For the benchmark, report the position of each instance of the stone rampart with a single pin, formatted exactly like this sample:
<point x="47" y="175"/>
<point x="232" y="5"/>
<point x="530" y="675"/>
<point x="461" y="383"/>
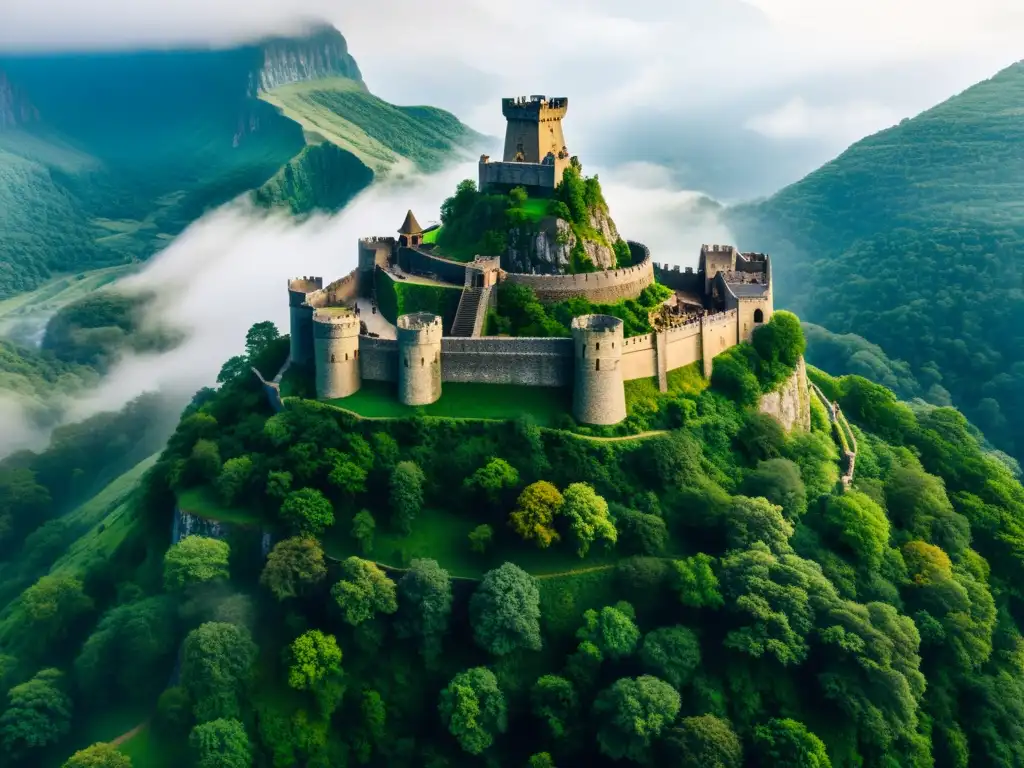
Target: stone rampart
<point x="499" y="175"/>
<point x="639" y="358"/>
<point x="378" y="359"/>
<point x="603" y="287"/>
<point x="683" y="345"/>
<point x="339" y="293"/>
<point x="419" y="262"/>
<point x="508" y="360"/>
<point x="686" y="280"/>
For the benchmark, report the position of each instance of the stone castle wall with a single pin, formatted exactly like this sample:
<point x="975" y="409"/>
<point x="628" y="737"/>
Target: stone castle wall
<point x="512" y="360"/>
<point x="507" y="175"/>
<point x="599" y="287"/>
<point x="378" y="359"/>
<point x="341" y="292"/>
<point x="421" y="263"/>
<point x="686" y="280"/>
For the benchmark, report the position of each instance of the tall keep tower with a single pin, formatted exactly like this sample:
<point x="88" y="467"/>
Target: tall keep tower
<point x="535" y="153"/>
<point x="336" y="351"/>
<point x="419" y="358"/>
<point x="598" y="394"/>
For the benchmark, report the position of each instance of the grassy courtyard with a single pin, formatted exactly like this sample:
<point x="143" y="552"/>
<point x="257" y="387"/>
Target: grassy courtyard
<point x="463" y="401"/>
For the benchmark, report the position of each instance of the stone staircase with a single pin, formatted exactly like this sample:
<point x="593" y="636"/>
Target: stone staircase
<point x="471" y="313"/>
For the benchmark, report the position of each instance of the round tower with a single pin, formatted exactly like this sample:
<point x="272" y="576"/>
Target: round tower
<point x="336" y="350"/>
<point x="419" y="358"/>
<point x="301" y="318"/>
<point x="598" y="395"/>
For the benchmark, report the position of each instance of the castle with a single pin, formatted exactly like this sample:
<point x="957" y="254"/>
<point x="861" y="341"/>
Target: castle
<point x="338" y="331"/>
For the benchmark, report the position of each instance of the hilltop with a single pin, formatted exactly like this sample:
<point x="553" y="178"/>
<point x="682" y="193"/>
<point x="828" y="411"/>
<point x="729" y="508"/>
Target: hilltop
<point x="910" y="239"/>
<point x="121" y="151"/>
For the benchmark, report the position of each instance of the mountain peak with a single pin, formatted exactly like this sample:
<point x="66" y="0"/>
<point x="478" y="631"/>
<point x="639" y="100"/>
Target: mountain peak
<point x="318" y="51"/>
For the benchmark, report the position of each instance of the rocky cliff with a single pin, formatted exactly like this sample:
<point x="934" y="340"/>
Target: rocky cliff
<point x="547" y="248"/>
<point x="790" y="404"/>
<point x="320" y="53"/>
<point x="15" y="109"/>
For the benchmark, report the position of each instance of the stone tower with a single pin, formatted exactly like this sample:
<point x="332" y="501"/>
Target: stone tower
<point x="410" y="234"/>
<point x="419" y="358"/>
<point x="336" y="351"/>
<point x="300" y="326"/>
<point x="534" y="130"/>
<point x="598" y="394"/>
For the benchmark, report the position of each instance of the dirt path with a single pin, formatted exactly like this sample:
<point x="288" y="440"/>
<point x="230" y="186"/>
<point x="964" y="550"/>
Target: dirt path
<point x="621" y="438"/>
<point x="575" y="572"/>
<point x="129" y="734"/>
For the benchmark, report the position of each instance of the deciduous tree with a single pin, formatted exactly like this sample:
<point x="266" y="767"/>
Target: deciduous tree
<point x="705" y="741"/>
<point x="493" y="481"/>
<point x="632" y="713"/>
<point x="315" y="666"/>
<point x="671" y="654"/>
<point x="424" y="605"/>
<point x="363" y="527"/>
<point x="505" y="611"/>
<point x="195" y="560"/>
<point x="587" y="516"/>
<point x="405" y="492"/>
<point x="215" y="669"/>
<point x="534" y="515"/>
<point x="553" y="699"/>
<point x="788" y="744"/>
<point x="234" y="479"/>
<point x="221" y="743"/>
<point x="308" y="511"/>
<point x="472" y="707"/>
<point x="480" y="538"/>
<point x="696" y="582"/>
<point x="611" y="629"/>
<point x="779" y="481"/>
<point x="53" y="604"/>
<point x="364" y="591"/>
<point x="38" y="714"/>
<point x="293" y="567"/>
<point x="99" y="756"/>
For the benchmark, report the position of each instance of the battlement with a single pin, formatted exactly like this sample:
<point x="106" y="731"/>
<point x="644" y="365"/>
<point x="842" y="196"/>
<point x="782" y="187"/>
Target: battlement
<point x="305" y="284"/>
<point x="724" y="249"/>
<point x="597" y="324"/>
<point x="534" y="108"/>
<point x="419" y="328"/>
<point x="335" y="318"/>
<point x="378" y="240"/>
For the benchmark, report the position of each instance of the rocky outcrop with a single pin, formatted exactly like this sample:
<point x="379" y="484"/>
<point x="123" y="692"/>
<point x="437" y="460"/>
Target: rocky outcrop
<point x="188" y="524"/>
<point x="15" y="109"/>
<point x="790" y="404"/>
<point x="547" y="249"/>
<point x="320" y="53"/>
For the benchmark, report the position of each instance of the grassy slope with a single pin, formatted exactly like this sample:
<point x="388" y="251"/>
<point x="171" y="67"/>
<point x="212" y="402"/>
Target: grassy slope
<point x="911" y="239"/>
<point x="380" y="134"/>
<point x="95" y="528"/>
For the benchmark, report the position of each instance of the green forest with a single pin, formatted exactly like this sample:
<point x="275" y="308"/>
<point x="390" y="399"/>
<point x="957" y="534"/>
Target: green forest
<point x="706" y="594"/>
<point x="911" y="239"/>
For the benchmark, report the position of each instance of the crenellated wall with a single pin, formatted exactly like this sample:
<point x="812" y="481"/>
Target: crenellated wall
<point x="603" y="287"/>
<point x="422" y="263"/>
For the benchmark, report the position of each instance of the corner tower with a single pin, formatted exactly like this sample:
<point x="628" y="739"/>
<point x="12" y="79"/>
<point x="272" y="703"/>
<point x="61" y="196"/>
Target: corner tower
<point x="336" y="351"/>
<point x="300" y="326"/>
<point x="419" y="358"/>
<point x="598" y="394"/>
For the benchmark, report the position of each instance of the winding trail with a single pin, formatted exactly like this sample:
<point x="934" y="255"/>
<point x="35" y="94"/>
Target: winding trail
<point x="129" y="734"/>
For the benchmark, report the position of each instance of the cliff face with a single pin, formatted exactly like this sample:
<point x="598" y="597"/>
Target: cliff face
<point x="790" y="404"/>
<point x="321" y="53"/>
<point x="15" y="109"/>
<point x="548" y="248"/>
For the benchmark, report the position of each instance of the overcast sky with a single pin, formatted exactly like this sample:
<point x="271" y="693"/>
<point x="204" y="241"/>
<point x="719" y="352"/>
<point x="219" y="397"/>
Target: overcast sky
<point x="736" y="97"/>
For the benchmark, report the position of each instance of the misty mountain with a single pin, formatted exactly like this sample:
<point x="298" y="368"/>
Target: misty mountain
<point x="105" y="157"/>
<point x="912" y="239"/>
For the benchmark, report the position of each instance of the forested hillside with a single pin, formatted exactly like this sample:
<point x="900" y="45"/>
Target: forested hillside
<point x="437" y="592"/>
<point x="106" y="157"/>
<point x="912" y="239"/>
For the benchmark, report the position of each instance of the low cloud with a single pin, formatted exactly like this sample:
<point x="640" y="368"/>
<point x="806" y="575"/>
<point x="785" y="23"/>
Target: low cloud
<point x="796" y="119"/>
<point x="230" y="270"/>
